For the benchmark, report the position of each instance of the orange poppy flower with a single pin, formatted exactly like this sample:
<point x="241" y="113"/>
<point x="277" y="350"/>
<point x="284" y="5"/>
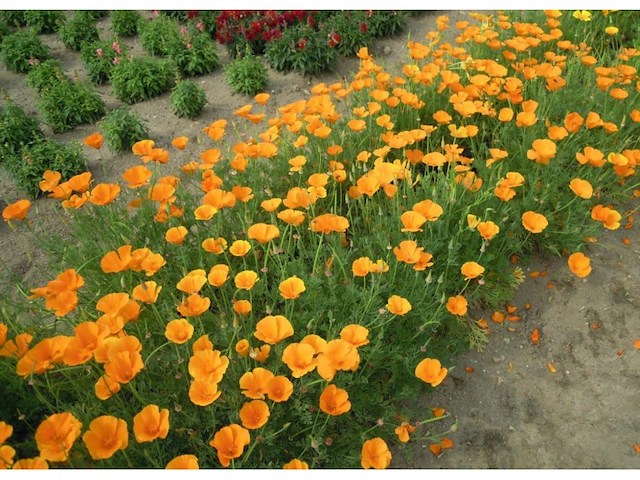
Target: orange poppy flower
<point x="457" y="305"/>
<point x="593" y="120"/>
<point x="147" y="292"/>
<point x="488" y="229"/>
<point x="192" y="282"/>
<point x="429" y="209"/>
<point x="299" y="357"/>
<point x="176" y="235"/>
<point x="106" y="387"/>
<point x="263" y="232"/>
<point x="279" y="389"/>
<point x="581" y="188"/>
<point x="356" y="335"/>
<point x="291" y="288"/>
<point x="254" y="414"/>
<point x="116" y="261"/>
<point x="214" y="245"/>
<point x="534" y="222"/>
<point x="318" y="343"/>
<point x="50" y="180"/>
<point x="208" y="365"/>
<point x="42" y="356"/>
<point x="328" y="223"/>
<point x="179" y="331"/>
<point x="292" y="217"/>
<point x="375" y="454"/>
<point x="104" y="193"/>
<point x="403" y="431"/>
<point x="94" y="140"/>
<point x="431" y="371"/>
<point x="246" y="279"/>
<point x="262" y="98"/>
<point x="204" y="212"/>
<point x="471" y="270"/>
<point x="194" y="305"/>
<point x="412" y="221"/>
<point x="36" y="463"/>
<point x="230" y="442"/>
<point x="334" y="401"/>
<point x="203" y="392"/>
<point x="337" y="355"/>
<point x="609" y="217"/>
<point x="137" y="176"/>
<point x="106" y="435"/>
<point x="408" y="252"/>
<point x="180" y="142"/>
<point x="151" y="423"/>
<point x="579" y="264"/>
<point x="296" y="464"/>
<point x="592" y="156"/>
<point x="255" y="384"/>
<point x="203" y="343"/>
<point x="273" y="328"/>
<point x="183" y="462"/>
<point x="398" y="305"/>
<point x="218" y="275"/>
<point x="543" y="150"/>
<point x="56" y="435"/>
<point x="6" y="430"/>
<point x="16" y="211"/>
<point x="6" y="457"/>
<point x="361" y="267"/>
<point x="123" y="366"/>
<point x="271" y="205"/>
<point x="242" y="307"/>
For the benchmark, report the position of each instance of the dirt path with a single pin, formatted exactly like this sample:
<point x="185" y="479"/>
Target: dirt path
<point x="512" y="412"/>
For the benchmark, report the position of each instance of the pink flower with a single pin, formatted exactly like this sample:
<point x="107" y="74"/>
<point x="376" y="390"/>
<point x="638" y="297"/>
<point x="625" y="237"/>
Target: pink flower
<point x="200" y="26"/>
<point x="188" y="46"/>
<point x="183" y="31"/>
<point x="99" y="52"/>
<point x="116" y="61"/>
<point x="116" y="47"/>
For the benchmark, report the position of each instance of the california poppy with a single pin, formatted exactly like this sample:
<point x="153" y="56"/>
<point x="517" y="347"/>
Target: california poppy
<point x="176" y="235"/>
<point x="273" y="328"/>
<point x="534" y="222"/>
<point x="151" y="423"/>
<point x="279" y="389"/>
<point x="183" y="462"/>
<point x="56" y="435"/>
<point x="403" y="431"/>
<point x="579" y="264"/>
<point x="296" y="464"/>
<point x="246" y="279"/>
<point x="337" y="355"/>
<point x="179" y="331"/>
<point x="581" y="188"/>
<point x="487" y="229"/>
<point x="194" y="305"/>
<point x="334" y="401"/>
<point x="398" y="305"/>
<point x="106" y="435"/>
<point x="431" y="371"/>
<point x="146" y="292"/>
<point x="36" y="463"/>
<point x="375" y="454"/>
<point x="230" y="442"/>
<point x="214" y="245"/>
<point x="203" y="392"/>
<point x="208" y="365"/>
<point x="254" y="414"/>
<point x="471" y="270"/>
<point x="457" y="305"/>
<point x="94" y="141"/>
<point x="218" y="275"/>
<point x="104" y="193"/>
<point x="180" y="142"/>
<point x="356" y="335"/>
<point x="299" y="357"/>
<point x="254" y="384"/>
<point x="291" y="288"/>
<point x="16" y="211"/>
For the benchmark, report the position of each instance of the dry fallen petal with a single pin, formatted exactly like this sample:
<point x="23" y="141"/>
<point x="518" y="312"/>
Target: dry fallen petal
<point x="435" y="449"/>
<point x="469" y="369"/>
<point x="535" y="336"/>
<point x="513" y="318"/>
<point x="620" y="353"/>
<point x="551" y="367"/>
<point x="438" y="412"/>
<point x="637" y="448"/>
<point x="446" y="443"/>
<point x="636" y="344"/>
<point x="511" y="308"/>
<point x="551" y="285"/>
<point x="626" y="241"/>
<point x="497" y="317"/>
<point x="482" y="323"/>
<point x="527" y="306"/>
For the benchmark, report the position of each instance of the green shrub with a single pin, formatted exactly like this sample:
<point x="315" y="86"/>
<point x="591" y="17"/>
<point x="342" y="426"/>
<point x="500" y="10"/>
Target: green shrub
<point x="158" y="35"/>
<point x="194" y="53"/>
<point x="44" y="21"/>
<point x="124" y="23"/>
<point x="67" y="104"/>
<point x="301" y="48"/>
<point x="351" y="31"/>
<point x="4" y="30"/>
<point x="46" y="74"/>
<point x="97" y="14"/>
<point x="79" y="30"/>
<point x="138" y="79"/>
<point x="247" y="75"/>
<point x="14" y="18"/>
<point x="383" y="23"/>
<point x="17" y="129"/>
<point x="122" y="128"/>
<point x="188" y="99"/>
<point x="100" y="58"/>
<point x="22" y="50"/>
<point x="48" y="154"/>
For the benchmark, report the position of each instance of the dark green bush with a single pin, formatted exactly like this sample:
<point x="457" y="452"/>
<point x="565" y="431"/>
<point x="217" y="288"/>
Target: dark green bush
<point x="79" y="30"/>
<point x="44" y="21"/>
<point x="23" y="49"/>
<point x="124" y="23"/>
<point x="303" y="49"/>
<point x="46" y="74"/>
<point x="35" y="159"/>
<point x="122" y="128"/>
<point x="14" y="18"/>
<point x="194" y="53"/>
<point x="17" y="129"/>
<point x="158" y="35"/>
<point x="4" y="29"/>
<point x="97" y="14"/>
<point x="100" y="58"/>
<point x="352" y="31"/>
<point x="387" y="22"/>
<point x="66" y="105"/>
<point x="188" y="99"/>
<point x="138" y="79"/>
<point x="247" y="75"/>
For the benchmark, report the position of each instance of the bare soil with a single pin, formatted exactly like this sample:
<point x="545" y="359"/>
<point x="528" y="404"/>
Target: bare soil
<point x="511" y="411"/>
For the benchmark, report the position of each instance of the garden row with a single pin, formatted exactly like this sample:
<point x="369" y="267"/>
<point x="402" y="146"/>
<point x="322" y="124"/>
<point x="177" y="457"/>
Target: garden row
<point x="273" y="298"/>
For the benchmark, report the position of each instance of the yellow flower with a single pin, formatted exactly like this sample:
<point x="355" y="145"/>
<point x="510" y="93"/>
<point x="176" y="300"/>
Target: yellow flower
<point x="611" y="30"/>
<point x="582" y="15"/>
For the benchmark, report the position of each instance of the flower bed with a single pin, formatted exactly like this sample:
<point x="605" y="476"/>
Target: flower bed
<point x="270" y="304"/>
